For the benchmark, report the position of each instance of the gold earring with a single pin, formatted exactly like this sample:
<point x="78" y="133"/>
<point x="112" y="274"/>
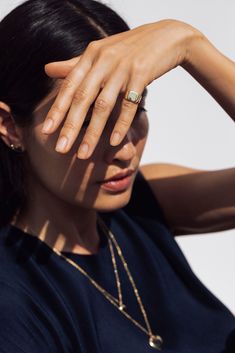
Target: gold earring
<point x="16" y="148"/>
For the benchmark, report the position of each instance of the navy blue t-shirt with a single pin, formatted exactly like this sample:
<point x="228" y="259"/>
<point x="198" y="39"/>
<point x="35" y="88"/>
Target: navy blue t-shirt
<point x="48" y="306"/>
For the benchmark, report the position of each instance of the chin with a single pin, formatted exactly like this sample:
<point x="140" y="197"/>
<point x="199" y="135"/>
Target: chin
<point x="113" y="201"/>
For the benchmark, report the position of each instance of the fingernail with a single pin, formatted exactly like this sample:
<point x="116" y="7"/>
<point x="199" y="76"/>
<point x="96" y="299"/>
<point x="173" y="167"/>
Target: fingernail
<point x="115" y="138"/>
<point x="83" y="150"/>
<point x="62" y="143"/>
<point x="47" y="125"/>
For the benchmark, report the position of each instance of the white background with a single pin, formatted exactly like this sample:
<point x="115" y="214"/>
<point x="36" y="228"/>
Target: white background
<point x="187" y="126"/>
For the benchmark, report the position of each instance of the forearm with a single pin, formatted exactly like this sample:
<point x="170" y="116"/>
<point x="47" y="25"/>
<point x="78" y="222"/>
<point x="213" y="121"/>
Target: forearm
<point x="194" y="201"/>
<point x="214" y="71"/>
<point x="212" y="197"/>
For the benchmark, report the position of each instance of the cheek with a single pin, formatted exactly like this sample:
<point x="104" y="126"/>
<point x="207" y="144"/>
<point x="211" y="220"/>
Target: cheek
<point x="62" y="174"/>
<point x="65" y="175"/>
<point x="140" y="128"/>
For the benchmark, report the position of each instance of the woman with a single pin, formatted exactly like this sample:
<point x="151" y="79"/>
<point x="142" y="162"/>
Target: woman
<point x="89" y="264"/>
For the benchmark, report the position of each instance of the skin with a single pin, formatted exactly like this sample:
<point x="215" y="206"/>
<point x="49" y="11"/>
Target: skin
<point x="107" y="69"/>
<point x="64" y="193"/>
<point x="64" y="196"/>
<point x="120" y="61"/>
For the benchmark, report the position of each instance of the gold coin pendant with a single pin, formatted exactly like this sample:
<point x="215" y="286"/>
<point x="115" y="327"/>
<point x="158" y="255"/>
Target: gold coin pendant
<point x="156" y="342"/>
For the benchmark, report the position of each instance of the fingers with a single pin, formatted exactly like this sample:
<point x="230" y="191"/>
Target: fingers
<point x="103" y="107"/>
<point x="63" y="100"/>
<point x="82" y="100"/>
<point x="61" y="69"/>
<point x="65" y="96"/>
<point x="127" y="114"/>
<point x="85" y="79"/>
<point x="84" y="96"/>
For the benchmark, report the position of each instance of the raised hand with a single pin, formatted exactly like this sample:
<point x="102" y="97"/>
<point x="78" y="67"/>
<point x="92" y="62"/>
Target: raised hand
<point x="110" y="67"/>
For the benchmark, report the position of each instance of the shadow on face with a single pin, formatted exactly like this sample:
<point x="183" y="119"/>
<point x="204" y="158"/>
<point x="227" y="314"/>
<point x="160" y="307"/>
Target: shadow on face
<point x="76" y="181"/>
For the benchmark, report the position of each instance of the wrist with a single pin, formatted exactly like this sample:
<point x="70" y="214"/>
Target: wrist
<point x="194" y="41"/>
<point x="185" y="38"/>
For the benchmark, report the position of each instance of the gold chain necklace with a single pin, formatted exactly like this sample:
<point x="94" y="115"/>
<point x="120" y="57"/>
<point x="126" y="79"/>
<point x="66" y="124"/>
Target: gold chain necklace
<point x="155" y="341"/>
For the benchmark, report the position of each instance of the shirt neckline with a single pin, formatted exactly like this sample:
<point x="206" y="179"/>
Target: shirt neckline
<point x="103" y="243"/>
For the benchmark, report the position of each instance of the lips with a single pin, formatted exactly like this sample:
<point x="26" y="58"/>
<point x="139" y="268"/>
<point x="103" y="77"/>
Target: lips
<point x="119" y="176"/>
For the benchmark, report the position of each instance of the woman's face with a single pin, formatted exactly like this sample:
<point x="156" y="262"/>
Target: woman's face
<point x="76" y="181"/>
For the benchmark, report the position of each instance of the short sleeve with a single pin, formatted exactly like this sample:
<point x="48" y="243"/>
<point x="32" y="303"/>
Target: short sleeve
<point x="143" y="202"/>
<point x="22" y="329"/>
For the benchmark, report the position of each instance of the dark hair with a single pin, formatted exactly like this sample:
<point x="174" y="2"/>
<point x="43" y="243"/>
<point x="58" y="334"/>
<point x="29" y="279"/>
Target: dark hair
<point x="32" y="35"/>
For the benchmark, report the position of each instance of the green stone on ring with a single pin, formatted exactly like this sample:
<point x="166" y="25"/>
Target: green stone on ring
<point x="133" y="97"/>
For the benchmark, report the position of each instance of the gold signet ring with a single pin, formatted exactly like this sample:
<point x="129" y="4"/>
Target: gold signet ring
<point x="133" y="97"/>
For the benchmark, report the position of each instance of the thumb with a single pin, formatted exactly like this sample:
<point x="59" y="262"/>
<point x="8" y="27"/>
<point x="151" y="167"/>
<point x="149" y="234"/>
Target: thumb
<point x="61" y="69"/>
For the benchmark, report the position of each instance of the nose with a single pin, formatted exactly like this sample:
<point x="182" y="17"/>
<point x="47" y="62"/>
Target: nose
<point x="125" y="151"/>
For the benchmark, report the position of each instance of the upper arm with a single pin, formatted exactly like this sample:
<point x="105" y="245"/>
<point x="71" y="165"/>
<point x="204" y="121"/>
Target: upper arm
<point x="193" y="201"/>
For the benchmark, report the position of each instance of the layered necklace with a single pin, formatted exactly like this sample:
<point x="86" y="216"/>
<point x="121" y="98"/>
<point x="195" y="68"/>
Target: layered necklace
<point x="155" y="341"/>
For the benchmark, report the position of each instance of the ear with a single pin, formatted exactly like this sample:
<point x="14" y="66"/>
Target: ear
<point x="10" y="133"/>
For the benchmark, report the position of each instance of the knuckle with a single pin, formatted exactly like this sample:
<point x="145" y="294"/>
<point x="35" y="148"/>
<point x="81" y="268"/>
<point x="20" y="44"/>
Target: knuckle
<point x="127" y="105"/>
<point x="139" y="68"/>
<point x="108" y="51"/>
<point x="68" y="83"/>
<point x="124" y="123"/>
<point x="101" y="105"/>
<point x="80" y="95"/>
<point x="93" y="45"/>
<point x="56" y="110"/>
<point x="69" y="125"/>
<point x="123" y="66"/>
<point x="92" y="133"/>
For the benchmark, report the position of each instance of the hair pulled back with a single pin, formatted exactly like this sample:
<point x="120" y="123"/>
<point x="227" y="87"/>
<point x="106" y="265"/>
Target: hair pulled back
<point x="33" y="34"/>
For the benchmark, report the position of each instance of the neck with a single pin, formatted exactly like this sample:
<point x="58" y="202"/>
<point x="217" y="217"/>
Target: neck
<point x="61" y="225"/>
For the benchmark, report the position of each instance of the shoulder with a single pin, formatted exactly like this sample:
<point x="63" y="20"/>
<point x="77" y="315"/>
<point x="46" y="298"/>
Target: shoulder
<point x="8" y="296"/>
<point x="14" y="308"/>
<point x="15" y="304"/>
<point x="23" y="325"/>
